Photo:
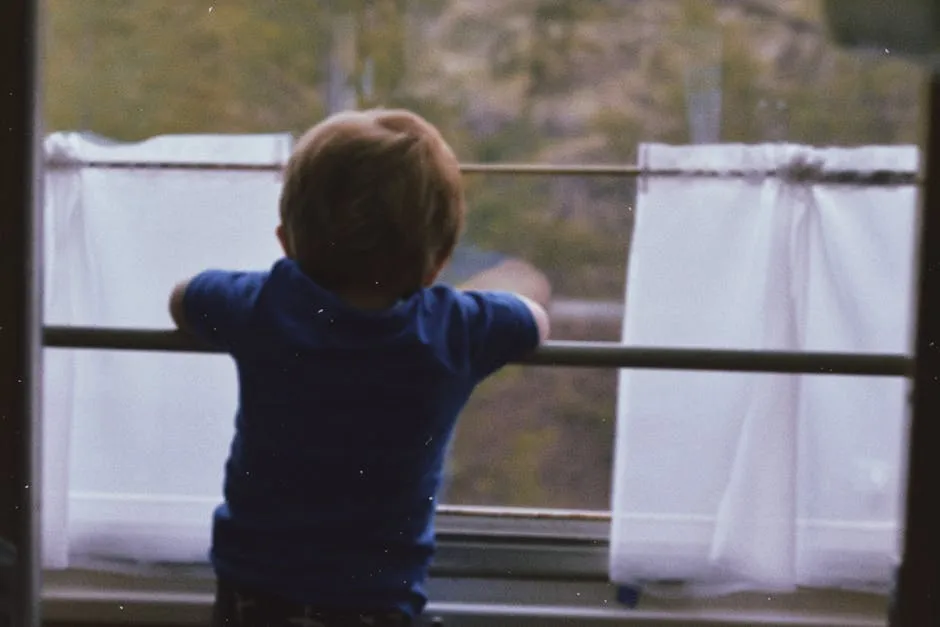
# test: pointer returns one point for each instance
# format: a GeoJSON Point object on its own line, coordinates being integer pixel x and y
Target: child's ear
{"type": "Point", "coordinates": [282, 238]}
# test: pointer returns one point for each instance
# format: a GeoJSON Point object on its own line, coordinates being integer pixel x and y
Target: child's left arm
{"type": "Point", "coordinates": [178, 308]}
{"type": "Point", "coordinates": [214, 306]}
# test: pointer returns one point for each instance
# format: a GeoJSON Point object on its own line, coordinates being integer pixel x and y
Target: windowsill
{"type": "Point", "coordinates": [554, 545]}
{"type": "Point", "coordinates": [487, 573]}
{"type": "Point", "coordinates": [87, 597]}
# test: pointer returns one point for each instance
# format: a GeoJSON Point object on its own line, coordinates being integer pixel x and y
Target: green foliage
{"type": "Point", "coordinates": [516, 140]}
{"type": "Point", "coordinates": [130, 70]}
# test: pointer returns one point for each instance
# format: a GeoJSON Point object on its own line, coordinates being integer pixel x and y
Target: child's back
{"type": "Point", "coordinates": [352, 372]}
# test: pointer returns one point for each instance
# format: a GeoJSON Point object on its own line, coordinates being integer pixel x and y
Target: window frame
{"type": "Point", "coordinates": [183, 596]}
{"type": "Point", "coordinates": [20, 255]}
{"type": "Point", "coordinates": [919, 576]}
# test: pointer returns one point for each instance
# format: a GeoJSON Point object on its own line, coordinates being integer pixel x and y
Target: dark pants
{"type": "Point", "coordinates": [237, 607]}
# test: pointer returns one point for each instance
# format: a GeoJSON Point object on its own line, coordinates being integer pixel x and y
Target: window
{"type": "Point", "coordinates": [544, 82]}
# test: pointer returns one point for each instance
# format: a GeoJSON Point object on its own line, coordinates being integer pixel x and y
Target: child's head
{"type": "Point", "coordinates": [372, 203]}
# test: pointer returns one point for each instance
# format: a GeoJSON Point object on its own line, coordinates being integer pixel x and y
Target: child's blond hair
{"type": "Point", "coordinates": [372, 202]}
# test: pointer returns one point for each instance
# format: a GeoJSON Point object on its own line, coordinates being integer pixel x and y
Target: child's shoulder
{"type": "Point", "coordinates": [233, 285]}
{"type": "Point", "coordinates": [443, 298]}
{"type": "Point", "coordinates": [483, 329]}
{"type": "Point", "coordinates": [471, 305]}
{"type": "Point", "coordinates": [438, 304]}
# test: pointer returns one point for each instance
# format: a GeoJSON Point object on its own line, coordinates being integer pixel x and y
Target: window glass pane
{"type": "Point", "coordinates": [536, 437]}
{"type": "Point", "coordinates": [537, 81]}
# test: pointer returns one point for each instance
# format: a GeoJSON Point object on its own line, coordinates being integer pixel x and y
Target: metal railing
{"type": "Point", "coordinates": [557, 354]}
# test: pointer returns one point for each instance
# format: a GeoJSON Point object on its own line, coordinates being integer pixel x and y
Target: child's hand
{"type": "Point", "coordinates": [540, 315]}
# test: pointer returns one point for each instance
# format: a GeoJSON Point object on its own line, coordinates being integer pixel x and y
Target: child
{"type": "Point", "coordinates": [352, 369]}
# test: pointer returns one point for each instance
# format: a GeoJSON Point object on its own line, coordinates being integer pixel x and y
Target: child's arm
{"type": "Point", "coordinates": [539, 314]}
{"type": "Point", "coordinates": [503, 327]}
{"type": "Point", "coordinates": [522, 280]}
{"type": "Point", "coordinates": [215, 306]}
{"type": "Point", "coordinates": [177, 308]}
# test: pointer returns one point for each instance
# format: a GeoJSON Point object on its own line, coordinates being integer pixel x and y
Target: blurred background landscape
{"type": "Point", "coordinates": [509, 81]}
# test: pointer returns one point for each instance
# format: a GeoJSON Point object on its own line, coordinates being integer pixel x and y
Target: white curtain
{"type": "Point", "coordinates": [134, 443]}
{"type": "Point", "coordinates": [727, 482]}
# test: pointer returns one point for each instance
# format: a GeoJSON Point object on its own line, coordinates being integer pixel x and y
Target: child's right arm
{"type": "Point", "coordinates": [523, 281]}
{"type": "Point", "coordinates": [503, 327]}
{"type": "Point", "coordinates": [539, 314]}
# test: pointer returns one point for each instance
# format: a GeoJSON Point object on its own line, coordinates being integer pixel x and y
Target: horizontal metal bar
{"type": "Point", "coordinates": [569, 354]}
{"type": "Point", "coordinates": [840, 177]}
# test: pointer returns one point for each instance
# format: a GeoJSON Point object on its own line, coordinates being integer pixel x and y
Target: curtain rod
{"type": "Point", "coordinates": [555, 354]}
{"type": "Point", "coordinates": [836, 177]}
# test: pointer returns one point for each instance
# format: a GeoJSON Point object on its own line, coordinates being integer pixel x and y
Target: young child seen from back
{"type": "Point", "coordinates": [352, 368]}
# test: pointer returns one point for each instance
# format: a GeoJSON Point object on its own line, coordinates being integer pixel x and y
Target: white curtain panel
{"type": "Point", "coordinates": [134, 442]}
{"type": "Point", "coordinates": [726, 482]}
